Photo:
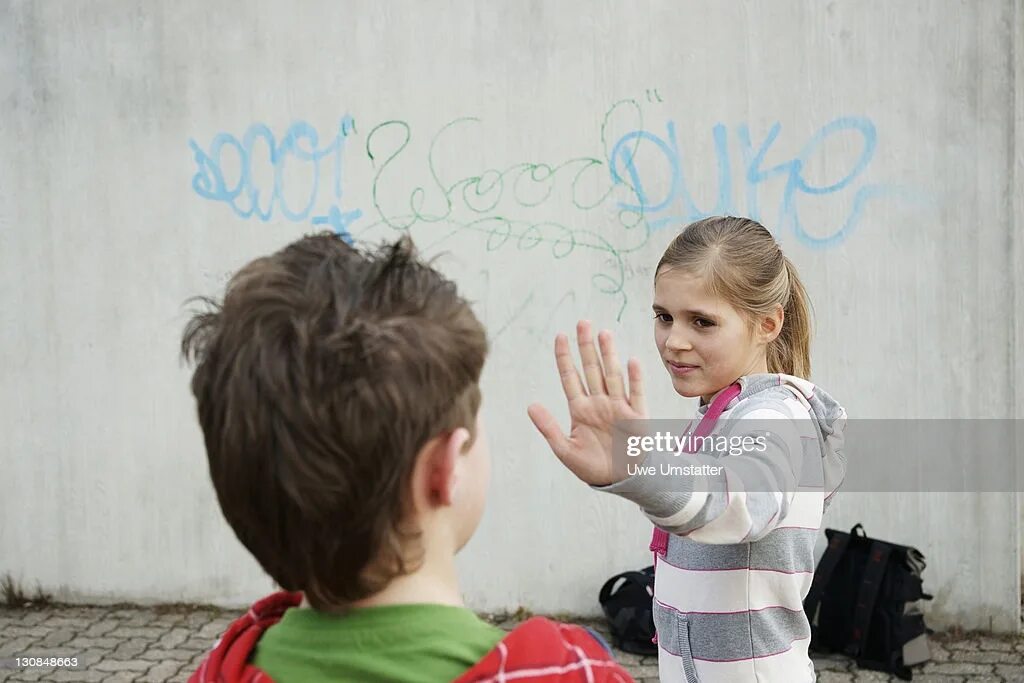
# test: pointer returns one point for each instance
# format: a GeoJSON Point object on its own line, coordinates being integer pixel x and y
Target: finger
{"type": "Point", "coordinates": [612, 370]}
{"type": "Point", "coordinates": [567, 372]}
{"type": "Point", "coordinates": [547, 425]}
{"type": "Point", "coordinates": [636, 387]}
{"type": "Point", "coordinates": [588, 357]}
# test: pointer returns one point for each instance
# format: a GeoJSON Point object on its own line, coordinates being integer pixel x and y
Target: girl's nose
{"type": "Point", "coordinates": [678, 340]}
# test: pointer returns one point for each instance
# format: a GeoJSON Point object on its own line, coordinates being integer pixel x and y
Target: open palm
{"type": "Point", "coordinates": [593, 409]}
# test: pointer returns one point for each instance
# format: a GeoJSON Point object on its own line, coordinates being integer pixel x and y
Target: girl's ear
{"type": "Point", "coordinates": [771, 325]}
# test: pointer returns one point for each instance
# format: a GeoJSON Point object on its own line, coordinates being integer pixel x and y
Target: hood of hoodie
{"type": "Point", "coordinates": [828, 416]}
{"type": "Point", "coordinates": [228, 661]}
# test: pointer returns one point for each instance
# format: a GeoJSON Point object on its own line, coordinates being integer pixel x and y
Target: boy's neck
{"type": "Point", "coordinates": [422, 586]}
{"type": "Point", "coordinates": [435, 582]}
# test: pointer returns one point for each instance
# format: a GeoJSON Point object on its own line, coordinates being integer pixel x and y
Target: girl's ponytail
{"type": "Point", "coordinates": [790, 352]}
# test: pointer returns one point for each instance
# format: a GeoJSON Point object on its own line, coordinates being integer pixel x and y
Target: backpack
{"type": "Point", "coordinates": [861, 603]}
{"type": "Point", "coordinates": [627, 600]}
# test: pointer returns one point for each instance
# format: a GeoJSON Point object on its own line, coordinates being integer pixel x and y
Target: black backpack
{"type": "Point", "coordinates": [858, 603]}
{"type": "Point", "coordinates": [627, 600]}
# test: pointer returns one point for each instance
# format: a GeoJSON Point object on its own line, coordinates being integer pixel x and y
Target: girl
{"type": "Point", "coordinates": [734, 544]}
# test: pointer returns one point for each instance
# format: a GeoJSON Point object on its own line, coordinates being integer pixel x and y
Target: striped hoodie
{"type": "Point", "coordinates": [729, 587]}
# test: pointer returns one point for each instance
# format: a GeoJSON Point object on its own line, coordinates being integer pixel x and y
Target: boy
{"type": "Point", "coordinates": [338, 395]}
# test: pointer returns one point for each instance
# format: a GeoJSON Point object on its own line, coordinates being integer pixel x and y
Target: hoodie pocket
{"type": "Point", "coordinates": [685, 655]}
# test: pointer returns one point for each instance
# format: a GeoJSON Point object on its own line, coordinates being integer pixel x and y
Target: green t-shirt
{"type": "Point", "coordinates": [407, 643]}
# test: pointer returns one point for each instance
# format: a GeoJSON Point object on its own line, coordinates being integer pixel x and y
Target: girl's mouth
{"type": "Point", "coordinates": [680, 369]}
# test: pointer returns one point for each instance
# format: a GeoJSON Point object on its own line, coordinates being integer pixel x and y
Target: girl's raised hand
{"type": "Point", "coordinates": [593, 408]}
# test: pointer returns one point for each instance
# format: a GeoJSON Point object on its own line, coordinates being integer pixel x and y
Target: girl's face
{"type": "Point", "coordinates": [704, 342]}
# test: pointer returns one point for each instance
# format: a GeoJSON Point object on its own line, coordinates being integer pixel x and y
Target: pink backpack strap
{"type": "Point", "coordinates": [659, 539]}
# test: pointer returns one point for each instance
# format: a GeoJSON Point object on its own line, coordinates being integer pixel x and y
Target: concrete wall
{"type": "Point", "coordinates": [1017, 239]}
{"type": "Point", "coordinates": [881, 142]}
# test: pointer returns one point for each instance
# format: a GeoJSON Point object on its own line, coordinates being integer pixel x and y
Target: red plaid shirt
{"type": "Point", "coordinates": [538, 651]}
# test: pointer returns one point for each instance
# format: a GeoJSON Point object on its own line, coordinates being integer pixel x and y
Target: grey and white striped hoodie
{"type": "Point", "coordinates": [728, 598]}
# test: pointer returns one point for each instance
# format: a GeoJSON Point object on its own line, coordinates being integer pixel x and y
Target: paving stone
{"type": "Point", "coordinates": [88, 658]}
{"type": "Point", "coordinates": [834, 677]}
{"type": "Point", "coordinates": [17, 646]}
{"type": "Point", "coordinates": [101, 628]}
{"type": "Point", "coordinates": [149, 632]}
{"type": "Point", "coordinates": [137, 615]}
{"type": "Point", "coordinates": [17, 631]}
{"type": "Point", "coordinates": [31, 675]}
{"type": "Point", "coordinates": [155, 654]}
{"type": "Point", "coordinates": [162, 671]}
{"type": "Point", "coordinates": [959, 667]}
{"type": "Point", "coordinates": [57, 638]}
{"type": "Point", "coordinates": [124, 644]}
{"type": "Point", "coordinates": [114, 665]}
{"type": "Point", "coordinates": [992, 657]}
{"type": "Point", "coordinates": [76, 623]}
{"type": "Point", "coordinates": [131, 649]}
{"type": "Point", "coordinates": [629, 659]}
{"type": "Point", "coordinates": [84, 642]}
{"type": "Point", "coordinates": [75, 676]}
{"type": "Point", "coordinates": [199, 618]}
{"type": "Point", "coordinates": [831, 663]}
{"type": "Point", "coordinates": [1013, 673]}
{"type": "Point", "coordinates": [196, 644]}
{"type": "Point", "coordinates": [174, 637]}
{"type": "Point", "coordinates": [122, 677]}
{"type": "Point", "coordinates": [995, 644]}
{"type": "Point", "coordinates": [643, 671]}
{"type": "Point", "coordinates": [30, 618]}
{"type": "Point", "coordinates": [213, 629]}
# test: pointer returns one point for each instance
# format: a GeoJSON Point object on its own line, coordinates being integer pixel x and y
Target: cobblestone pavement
{"type": "Point", "coordinates": [122, 644]}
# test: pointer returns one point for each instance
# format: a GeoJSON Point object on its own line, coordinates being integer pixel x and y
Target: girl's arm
{"type": "Point", "coordinates": [749, 497]}
{"type": "Point", "coordinates": [736, 498]}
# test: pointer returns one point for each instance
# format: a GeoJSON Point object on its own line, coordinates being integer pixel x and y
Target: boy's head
{"type": "Point", "coordinates": [338, 395]}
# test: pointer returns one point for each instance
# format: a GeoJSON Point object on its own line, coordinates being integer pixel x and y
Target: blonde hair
{"type": "Point", "coordinates": [741, 263]}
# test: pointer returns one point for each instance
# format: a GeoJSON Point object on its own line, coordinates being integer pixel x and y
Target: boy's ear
{"type": "Point", "coordinates": [771, 325]}
{"type": "Point", "coordinates": [442, 470]}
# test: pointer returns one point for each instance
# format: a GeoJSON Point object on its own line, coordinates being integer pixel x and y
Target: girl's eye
{"type": "Point", "coordinates": [663, 317]}
{"type": "Point", "coordinates": [703, 322]}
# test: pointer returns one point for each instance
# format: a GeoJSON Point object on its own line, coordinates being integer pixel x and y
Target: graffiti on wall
{"type": "Point", "coordinates": [611, 200]}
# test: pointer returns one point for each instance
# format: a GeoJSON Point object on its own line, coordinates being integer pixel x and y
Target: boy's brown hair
{"type": "Point", "coordinates": [318, 379]}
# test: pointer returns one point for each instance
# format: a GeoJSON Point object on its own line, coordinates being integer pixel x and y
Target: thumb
{"type": "Point", "coordinates": [547, 425]}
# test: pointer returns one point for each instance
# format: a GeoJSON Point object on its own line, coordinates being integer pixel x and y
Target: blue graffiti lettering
{"type": "Point", "coordinates": [301, 145]}
{"type": "Point", "coordinates": [678, 202]}
{"type": "Point", "coordinates": [790, 217]}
